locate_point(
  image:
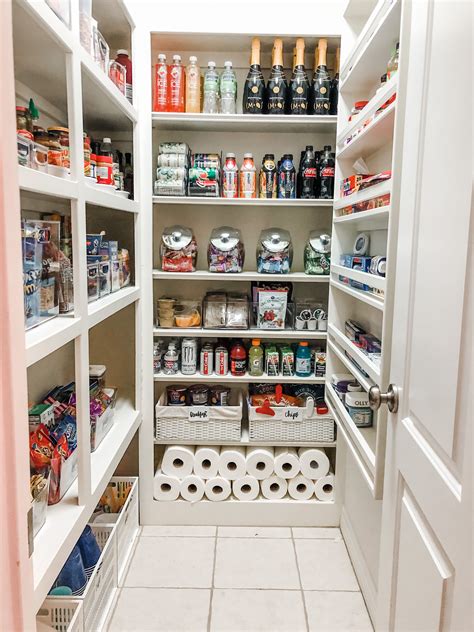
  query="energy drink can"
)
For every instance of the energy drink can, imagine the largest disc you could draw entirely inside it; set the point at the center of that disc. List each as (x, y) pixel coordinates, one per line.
(189, 356)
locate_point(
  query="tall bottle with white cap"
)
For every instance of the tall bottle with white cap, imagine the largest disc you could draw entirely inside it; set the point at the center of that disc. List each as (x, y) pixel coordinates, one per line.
(176, 85)
(211, 90)
(193, 86)
(228, 89)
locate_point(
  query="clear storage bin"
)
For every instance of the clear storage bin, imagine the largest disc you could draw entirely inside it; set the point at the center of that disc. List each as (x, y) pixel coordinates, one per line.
(274, 251)
(178, 313)
(223, 310)
(101, 424)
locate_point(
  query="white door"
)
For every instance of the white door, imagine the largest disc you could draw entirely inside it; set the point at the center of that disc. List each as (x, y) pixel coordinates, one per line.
(425, 578)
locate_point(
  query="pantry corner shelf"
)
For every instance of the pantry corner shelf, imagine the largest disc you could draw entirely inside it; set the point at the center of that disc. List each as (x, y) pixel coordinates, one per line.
(374, 136)
(243, 379)
(107, 199)
(50, 336)
(45, 184)
(361, 358)
(374, 219)
(366, 297)
(109, 305)
(220, 201)
(205, 275)
(372, 280)
(185, 332)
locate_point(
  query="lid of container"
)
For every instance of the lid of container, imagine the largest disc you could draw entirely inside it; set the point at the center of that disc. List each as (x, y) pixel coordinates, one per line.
(211, 64)
(225, 238)
(162, 57)
(275, 239)
(320, 241)
(193, 58)
(97, 370)
(228, 64)
(230, 155)
(248, 155)
(256, 342)
(122, 51)
(357, 400)
(336, 377)
(354, 387)
(177, 237)
(65, 130)
(21, 108)
(176, 57)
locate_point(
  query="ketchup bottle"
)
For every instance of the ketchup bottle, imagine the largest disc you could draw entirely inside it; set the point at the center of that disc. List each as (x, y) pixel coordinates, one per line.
(160, 92)
(176, 81)
(238, 358)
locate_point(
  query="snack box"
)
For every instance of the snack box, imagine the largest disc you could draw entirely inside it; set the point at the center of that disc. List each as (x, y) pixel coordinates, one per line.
(41, 414)
(355, 263)
(353, 330)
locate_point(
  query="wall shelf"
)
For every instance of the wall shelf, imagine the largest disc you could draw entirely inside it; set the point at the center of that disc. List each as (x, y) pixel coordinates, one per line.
(377, 190)
(98, 197)
(50, 336)
(376, 135)
(372, 280)
(365, 382)
(275, 203)
(375, 219)
(45, 184)
(360, 295)
(185, 332)
(234, 379)
(361, 358)
(204, 275)
(104, 307)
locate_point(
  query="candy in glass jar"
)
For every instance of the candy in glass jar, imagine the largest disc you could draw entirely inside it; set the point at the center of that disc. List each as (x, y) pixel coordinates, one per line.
(317, 253)
(226, 251)
(178, 249)
(274, 251)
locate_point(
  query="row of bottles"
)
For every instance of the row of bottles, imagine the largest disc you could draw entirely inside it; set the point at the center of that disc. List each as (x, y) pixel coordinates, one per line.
(319, 97)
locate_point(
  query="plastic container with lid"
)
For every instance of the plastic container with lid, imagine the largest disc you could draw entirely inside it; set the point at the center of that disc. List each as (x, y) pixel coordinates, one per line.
(178, 249)
(357, 404)
(317, 253)
(356, 108)
(226, 250)
(118, 75)
(97, 372)
(274, 251)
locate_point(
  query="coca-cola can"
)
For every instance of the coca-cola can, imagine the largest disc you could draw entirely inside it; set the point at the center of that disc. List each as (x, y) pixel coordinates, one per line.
(189, 356)
(221, 361)
(207, 360)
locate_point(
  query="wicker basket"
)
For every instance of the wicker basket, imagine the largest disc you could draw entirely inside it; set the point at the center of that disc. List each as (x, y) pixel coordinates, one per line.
(223, 423)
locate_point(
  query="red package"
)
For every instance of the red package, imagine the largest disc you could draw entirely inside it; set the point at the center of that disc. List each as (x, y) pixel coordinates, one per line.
(60, 454)
(41, 448)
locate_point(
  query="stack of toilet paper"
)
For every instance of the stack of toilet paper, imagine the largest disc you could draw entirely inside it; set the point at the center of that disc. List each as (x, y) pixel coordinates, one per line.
(246, 473)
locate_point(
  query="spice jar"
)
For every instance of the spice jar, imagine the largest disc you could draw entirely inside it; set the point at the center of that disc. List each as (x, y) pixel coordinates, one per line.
(317, 253)
(87, 155)
(274, 251)
(226, 250)
(24, 122)
(178, 249)
(61, 134)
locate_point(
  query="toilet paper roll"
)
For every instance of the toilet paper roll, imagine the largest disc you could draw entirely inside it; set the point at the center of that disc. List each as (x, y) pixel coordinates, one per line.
(274, 487)
(232, 463)
(287, 463)
(165, 487)
(313, 462)
(300, 487)
(206, 461)
(192, 488)
(260, 462)
(246, 488)
(217, 489)
(324, 487)
(178, 460)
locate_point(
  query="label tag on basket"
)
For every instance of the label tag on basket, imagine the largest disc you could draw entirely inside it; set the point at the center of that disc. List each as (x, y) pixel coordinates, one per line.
(198, 413)
(293, 413)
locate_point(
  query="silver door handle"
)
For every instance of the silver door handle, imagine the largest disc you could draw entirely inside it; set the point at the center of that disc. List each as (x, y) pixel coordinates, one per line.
(390, 398)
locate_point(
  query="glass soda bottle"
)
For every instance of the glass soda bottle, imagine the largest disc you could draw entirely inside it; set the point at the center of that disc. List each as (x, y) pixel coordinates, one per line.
(211, 90)
(193, 86)
(230, 177)
(176, 85)
(160, 92)
(248, 178)
(228, 89)
(326, 174)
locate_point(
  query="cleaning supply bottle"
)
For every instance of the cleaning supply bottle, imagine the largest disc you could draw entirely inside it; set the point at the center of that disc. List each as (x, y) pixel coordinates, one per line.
(303, 360)
(256, 359)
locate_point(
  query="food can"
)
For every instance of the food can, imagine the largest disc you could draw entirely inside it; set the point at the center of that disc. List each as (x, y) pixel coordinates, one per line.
(176, 395)
(207, 360)
(221, 361)
(220, 395)
(198, 395)
(189, 356)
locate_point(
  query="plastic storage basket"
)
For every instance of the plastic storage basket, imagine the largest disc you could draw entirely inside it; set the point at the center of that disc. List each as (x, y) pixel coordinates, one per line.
(222, 423)
(64, 617)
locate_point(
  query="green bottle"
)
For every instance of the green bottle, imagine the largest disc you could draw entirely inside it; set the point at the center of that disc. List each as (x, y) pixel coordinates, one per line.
(256, 359)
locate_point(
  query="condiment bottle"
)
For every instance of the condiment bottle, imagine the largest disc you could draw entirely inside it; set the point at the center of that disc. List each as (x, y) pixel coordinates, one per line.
(105, 161)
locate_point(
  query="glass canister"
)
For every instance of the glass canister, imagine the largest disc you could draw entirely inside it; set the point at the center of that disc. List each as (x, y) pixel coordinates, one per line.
(61, 134)
(226, 250)
(178, 249)
(274, 251)
(317, 253)
(24, 122)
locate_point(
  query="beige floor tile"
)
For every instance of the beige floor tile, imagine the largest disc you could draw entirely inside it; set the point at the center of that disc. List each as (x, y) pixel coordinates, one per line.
(254, 532)
(191, 531)
(325, 565)
(336, 612)
(317, 533)
(255, 563)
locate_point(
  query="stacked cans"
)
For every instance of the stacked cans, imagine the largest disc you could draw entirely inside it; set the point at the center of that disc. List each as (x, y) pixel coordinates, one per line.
(172, 169)
(205, 175)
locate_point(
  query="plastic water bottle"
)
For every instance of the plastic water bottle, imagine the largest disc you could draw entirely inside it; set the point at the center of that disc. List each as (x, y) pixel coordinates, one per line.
(228, 87)
(211, 90)
(193, 86)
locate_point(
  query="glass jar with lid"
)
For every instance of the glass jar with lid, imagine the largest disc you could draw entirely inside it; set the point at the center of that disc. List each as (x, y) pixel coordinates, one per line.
(274, 251)
(24, 122)
(317, 252)
(226, 250)
(178, 249)
(61, 134)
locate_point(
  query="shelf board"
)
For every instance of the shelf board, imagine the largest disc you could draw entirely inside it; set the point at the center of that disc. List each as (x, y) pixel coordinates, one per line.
(275, 203)
(205, 275)
(378, 133)
(99, 197)
(109, 305)
(186, 332)
(243, 122)
(360, 295)
(365, 382)
(361, 358)
(50, 336)
(377, 190)
(359, 9)
(45, 184)
(244, 379)
(375, 219)
(372, 280)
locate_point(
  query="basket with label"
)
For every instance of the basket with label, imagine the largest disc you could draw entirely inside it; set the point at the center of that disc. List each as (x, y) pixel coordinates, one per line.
(199, 415)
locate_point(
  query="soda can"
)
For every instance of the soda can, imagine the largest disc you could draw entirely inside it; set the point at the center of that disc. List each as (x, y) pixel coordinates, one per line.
(172, 160)
(221, 361)
(206, 161)
(170, 174)
(189, 356)
(207, 360)
(173, 148)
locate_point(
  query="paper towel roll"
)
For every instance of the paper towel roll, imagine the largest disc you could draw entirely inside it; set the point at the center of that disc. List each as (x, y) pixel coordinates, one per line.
(246, 488)
(178, 460)
(165, 487)
(206, 461)
(324, 487)
(287, 463)
(232, 463)
(260, 462)
(300, 488)
(217, 489)
(274, 487)
(313, 462)
(192, 488)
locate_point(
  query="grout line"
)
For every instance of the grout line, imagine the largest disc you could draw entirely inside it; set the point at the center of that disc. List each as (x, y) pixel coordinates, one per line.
(209, 616)
(247, 588)
(299, 579)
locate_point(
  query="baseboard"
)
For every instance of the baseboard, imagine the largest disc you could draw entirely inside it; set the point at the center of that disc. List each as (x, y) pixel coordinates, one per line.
(364, 578)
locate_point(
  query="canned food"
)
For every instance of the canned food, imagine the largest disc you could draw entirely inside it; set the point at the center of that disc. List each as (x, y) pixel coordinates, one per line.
(176, 395)
(189, 356)
(221, 361)
(198, 395)
(220, 395)
(207, 359)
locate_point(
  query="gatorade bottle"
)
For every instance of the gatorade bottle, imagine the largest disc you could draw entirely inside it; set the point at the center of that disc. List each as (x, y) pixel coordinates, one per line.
(238, 358)
(160, 93)
(256, 359)
(176, 85)
(228, 89)
(211, 90)
(303, 360)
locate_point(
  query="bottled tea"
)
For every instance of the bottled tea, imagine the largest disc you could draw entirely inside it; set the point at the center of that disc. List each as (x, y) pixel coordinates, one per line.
(277, 88)
(307, 175)
(299, 88)
(326, 173)
(254, 88)
(321, 81)
(268, 177)
(334, 90)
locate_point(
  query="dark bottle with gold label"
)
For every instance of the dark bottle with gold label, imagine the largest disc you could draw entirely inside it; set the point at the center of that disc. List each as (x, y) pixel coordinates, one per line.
(254, 88)
(299, 88)
(277, 88)
(321, 81)
(334, 91)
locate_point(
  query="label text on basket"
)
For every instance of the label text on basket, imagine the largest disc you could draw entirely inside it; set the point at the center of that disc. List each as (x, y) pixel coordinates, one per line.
(198, 413)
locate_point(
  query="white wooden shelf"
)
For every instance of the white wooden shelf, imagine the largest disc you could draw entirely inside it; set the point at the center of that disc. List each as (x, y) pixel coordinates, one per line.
(50, 336)
(48, 21)
(377, 190)
(205, 275)
(360, 295)
(361, 358)
(375, 219)
(372, 280)
(359, 9)
(45, 184)
(243, 122)
(241, 379)
(376, 135)
(98, 197)
(109, 305)
(283, 334)
(365, 382)
(241, 202)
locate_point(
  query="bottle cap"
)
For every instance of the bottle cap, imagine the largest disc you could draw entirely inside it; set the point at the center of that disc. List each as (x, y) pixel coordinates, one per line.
(162, 57)
(229, 155)
(255, 342)
(106, 140)
(122, 51)
(303, 344)
(176, 57)
(211, 64)
(228, 64)
(193, 59)
(248, 155)
(327, 147)
(309, 147)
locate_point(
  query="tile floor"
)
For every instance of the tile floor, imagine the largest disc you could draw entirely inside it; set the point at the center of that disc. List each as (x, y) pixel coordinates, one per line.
(240, 579)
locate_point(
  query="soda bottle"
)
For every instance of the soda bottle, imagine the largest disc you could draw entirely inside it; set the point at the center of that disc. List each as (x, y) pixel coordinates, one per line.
(193, 86)
(160, 93)
(248, 178)
(176, 85)
(307, 175)
(228, 89)
(211, 90)
(287, 178)
(230, 177)
(268, 177)
(326, 174)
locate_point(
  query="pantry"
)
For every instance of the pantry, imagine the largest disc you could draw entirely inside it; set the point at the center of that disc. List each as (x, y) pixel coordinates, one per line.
(229, 308)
